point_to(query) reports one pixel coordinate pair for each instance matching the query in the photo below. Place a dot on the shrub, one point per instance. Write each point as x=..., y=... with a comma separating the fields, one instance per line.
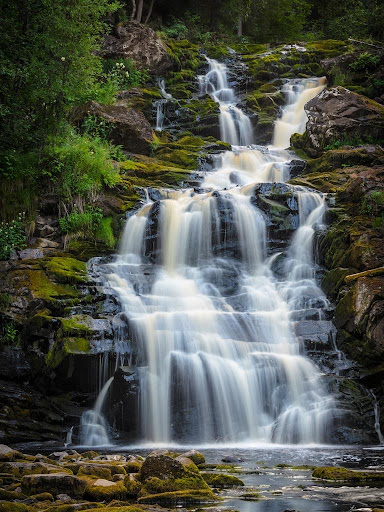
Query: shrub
x=124, y=73
x=88, y=224
x=12, y=236
x=80, y=166
x=365, y=62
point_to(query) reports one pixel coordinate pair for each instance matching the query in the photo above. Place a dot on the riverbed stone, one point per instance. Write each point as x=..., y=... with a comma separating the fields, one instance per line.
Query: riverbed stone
x=55, y=483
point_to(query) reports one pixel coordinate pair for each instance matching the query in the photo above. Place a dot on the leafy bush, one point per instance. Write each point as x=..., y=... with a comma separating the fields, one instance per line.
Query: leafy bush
x=352, y=141
x=88, y=224
x=12, y=236
x=80, y=166
x=373, y=205
x=365, y=62
x=124, y=73
x=9, y=334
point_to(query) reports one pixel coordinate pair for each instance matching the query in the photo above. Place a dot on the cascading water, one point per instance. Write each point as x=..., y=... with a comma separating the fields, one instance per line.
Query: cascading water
x=294, y=118
x=213, y=328
x=93, y=425
x=235, y=126
x=160, y=106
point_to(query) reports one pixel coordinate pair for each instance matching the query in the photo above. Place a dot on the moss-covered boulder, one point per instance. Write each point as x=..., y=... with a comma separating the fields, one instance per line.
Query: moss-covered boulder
x=222, y=480
x=179, y=498
x=54, y=483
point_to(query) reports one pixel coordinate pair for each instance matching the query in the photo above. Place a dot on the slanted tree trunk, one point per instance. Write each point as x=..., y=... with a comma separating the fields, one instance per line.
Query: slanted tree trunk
x=139, y=12
x=133, y=9
x=149, y=11
x=240, y=25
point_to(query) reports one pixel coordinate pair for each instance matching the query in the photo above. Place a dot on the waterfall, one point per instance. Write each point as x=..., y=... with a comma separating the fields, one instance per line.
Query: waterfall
x=160, y=106
x=293, y=119
x=376, y=410
x=212, y=325
x=235, y=126
x=93, y=425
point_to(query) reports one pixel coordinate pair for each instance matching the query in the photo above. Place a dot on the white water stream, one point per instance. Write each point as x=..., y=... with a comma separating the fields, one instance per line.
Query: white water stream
x=218, y=357
x=160, y=106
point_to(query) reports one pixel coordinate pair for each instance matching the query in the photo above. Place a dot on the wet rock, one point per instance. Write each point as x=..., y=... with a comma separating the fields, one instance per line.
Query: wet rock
x=101, y=490
x=129, y=127
x=139, y=42
x=195, y=456
x=338, y=114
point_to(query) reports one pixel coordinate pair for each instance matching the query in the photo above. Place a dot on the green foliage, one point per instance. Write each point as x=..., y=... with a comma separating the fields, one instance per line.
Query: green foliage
x=373, y=205
x=124, y=73
x=9, y=333
x=88, y=225
x=96, y=126
x=80, y=166
x=365, y=62
x=351, y=141
x=47, y=60
x=12, y=236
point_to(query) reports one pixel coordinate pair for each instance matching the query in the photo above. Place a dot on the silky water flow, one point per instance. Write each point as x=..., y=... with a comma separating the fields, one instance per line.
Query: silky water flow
x=217, y=355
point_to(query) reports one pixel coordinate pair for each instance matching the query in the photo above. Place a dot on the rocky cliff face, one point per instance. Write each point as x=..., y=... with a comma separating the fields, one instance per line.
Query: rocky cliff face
x=54, y=312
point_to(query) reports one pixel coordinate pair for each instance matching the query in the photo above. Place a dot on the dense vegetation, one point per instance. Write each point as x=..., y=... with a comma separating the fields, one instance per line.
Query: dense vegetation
x=49, y=67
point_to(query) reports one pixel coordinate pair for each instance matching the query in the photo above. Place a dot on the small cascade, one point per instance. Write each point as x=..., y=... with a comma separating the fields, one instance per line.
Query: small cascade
x=218, y=357
x=376, y=409
x=93, y=425
x=69, y=438
x=235, y=126
x=293, y=119
x=160, y=106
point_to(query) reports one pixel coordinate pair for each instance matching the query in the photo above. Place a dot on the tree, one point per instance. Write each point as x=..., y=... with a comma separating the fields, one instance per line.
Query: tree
x=47, y=62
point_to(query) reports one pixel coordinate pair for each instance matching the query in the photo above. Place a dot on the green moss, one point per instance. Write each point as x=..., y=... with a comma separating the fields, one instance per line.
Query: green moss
x=154, y=485
x=336, y=473
x=222, y=480
x=185, y=54
x=7, y=506
x=251, y=496
x=90, y=454
x=67, y=270
x=116, y=491
x=181, y=157
x=43, y=496
x=333, y=280
x=130, y=508
x=223, y=467
x=188, y=497
x=10, y=495
x=79, y=325
x=96, y=471
x=41, y=287
x=133, y=487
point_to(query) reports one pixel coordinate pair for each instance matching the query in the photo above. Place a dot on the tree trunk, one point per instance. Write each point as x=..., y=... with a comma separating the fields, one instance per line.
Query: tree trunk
x=139, y=12
x=133, y=9
x=240, y=25
x=149, y=12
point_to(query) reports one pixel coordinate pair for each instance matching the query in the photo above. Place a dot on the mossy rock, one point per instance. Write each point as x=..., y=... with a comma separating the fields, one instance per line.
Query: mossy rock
x=251, y=496
x=132, y=466
x=8, y=506
x=54, y=483
x=195, y=456
x=76, y=325
x=335, y=473
x=222, y=480
x=41, y=287
x=90, y=454
x=95, y=471
x=154, y=485
x=11, y=495
x=104, y=490
x=43, y=496
x=187, y=497
x=67, y=270
x=129, y=508
x=333, y=280
x=132, y=486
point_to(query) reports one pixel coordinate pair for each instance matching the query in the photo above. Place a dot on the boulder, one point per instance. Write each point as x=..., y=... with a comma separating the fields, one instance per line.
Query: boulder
x=338, y=114
x=128, y=127
x=139, y=42
x=101, y=490
x=195, y=456
x=55, y=483
x=161, y=466
x=7, y=453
